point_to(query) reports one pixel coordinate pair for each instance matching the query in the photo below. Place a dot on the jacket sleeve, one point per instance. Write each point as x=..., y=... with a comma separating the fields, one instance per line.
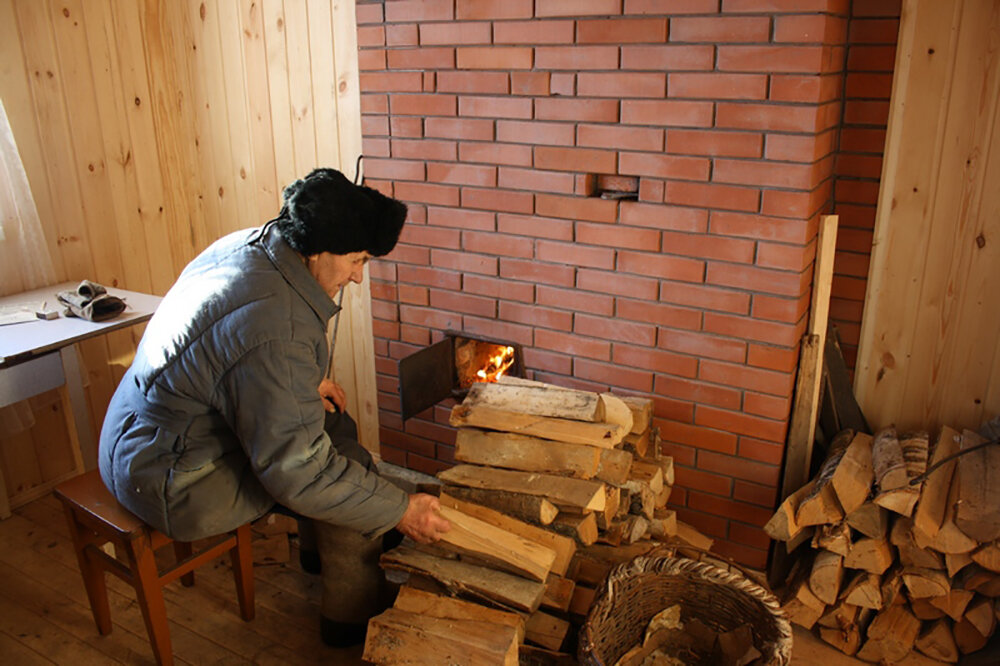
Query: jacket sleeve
x=270, y=399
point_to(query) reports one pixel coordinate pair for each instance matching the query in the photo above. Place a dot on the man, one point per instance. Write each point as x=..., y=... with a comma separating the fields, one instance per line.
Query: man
x=225, y=413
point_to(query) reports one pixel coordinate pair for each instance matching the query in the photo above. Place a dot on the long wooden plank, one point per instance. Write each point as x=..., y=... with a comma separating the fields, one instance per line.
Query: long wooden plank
x=400, y=637
x=604, y=435
x=412, y=600
x=496, y=546
x=551, y=401
x=528, y=454
x=561, y=490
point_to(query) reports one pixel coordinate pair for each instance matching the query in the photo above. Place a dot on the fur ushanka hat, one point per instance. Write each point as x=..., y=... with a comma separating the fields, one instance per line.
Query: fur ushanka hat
x=325, y=212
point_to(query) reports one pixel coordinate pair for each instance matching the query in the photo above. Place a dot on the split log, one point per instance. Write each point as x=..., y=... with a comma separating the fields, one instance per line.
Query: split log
x=891, y=635
x=852, y=480
x=604, y=435
x=924, y=610
x=692, y=537
x=892, y=586
x=495, y=546
x=782, y=526
x=980, y=615
x=613, y=466
x=977, y=510
x=400, y=637
x=642, y=413
x=835, y=538
x=805, y=535
x=914, y=453
x=988, y=557
x=967, y=637
x=637, y=444
x=563, y=547
x=530, y=508
x=582, y=527
x=583, y=599
x=558, y=592
x=627, y=530
x=642, y=501
x=871, y=520
x=929, y=514
x=412, y=600
x=821, y=505
x=978, y=579
x=950, y=538
x=798, y=602
x=847, y=639
x=645, y=473
x=937, y=642
x=527, y=454
x=546, y=630
x=954, y=603
x=480, y=582
x=910, y=554
x=618, y=412
x=926, y=583
x=827, y=574
x=872, y=555
x=954, y=562
x=544, y=400
x=612, y=506
x=663, y=525
x=839, y=615
x=864, y=590
x=560, y=490
x=892, y=482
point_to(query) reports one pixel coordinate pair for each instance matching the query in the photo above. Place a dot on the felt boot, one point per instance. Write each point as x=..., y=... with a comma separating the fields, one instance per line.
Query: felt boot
x=353, y=583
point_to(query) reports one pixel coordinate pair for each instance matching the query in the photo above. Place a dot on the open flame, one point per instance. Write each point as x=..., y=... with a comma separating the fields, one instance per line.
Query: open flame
x=497, y=366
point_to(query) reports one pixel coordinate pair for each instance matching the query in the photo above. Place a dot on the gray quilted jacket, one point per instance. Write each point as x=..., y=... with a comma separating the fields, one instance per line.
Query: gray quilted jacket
x=218, y=417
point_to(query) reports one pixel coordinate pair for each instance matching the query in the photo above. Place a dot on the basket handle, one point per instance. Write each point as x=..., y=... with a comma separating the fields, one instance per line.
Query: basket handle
x=670, y=550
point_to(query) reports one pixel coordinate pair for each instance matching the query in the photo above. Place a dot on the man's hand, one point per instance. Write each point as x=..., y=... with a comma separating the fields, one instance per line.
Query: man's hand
x=422, y=522
x=333, y=395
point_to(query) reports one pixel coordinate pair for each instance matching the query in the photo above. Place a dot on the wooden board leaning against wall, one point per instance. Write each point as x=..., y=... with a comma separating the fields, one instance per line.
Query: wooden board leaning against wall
x=148, y=130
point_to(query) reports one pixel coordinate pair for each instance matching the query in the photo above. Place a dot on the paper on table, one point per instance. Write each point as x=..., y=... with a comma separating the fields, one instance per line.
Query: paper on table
x=20, y=313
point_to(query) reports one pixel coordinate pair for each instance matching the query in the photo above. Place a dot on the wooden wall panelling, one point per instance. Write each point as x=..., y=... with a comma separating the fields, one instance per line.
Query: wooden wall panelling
x=300, y=88
x=928, y=351
x=277, y=81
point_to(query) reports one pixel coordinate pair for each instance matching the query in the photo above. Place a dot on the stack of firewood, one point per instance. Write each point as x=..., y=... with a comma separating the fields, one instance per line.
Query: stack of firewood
x=904, y=545
x=557, y=486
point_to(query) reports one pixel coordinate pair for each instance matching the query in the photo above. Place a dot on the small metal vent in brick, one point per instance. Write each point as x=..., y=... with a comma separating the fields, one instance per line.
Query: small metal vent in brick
x=448, y=368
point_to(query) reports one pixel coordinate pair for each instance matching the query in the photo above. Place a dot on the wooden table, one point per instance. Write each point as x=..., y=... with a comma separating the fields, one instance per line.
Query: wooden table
x=40, y=355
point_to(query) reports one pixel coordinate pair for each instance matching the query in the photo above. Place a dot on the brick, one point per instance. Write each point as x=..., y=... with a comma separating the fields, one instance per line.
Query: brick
x=741, y=468
x=650, y=190
x=371, y=36
x=536, y=271
x=576, y=208
x=570, y=382
x=663, y=166
x=583, y=110
x=464, y=261
x=419, y=10
x=795, y=204
x=722, y=144
x=618, y=236
x=536, y=316
x=662, y=266
x=697, y=480
x=717, y=86
x=765, y=59
x=383, y=291
x=424, y=149
x=770, y=382
x=663, y=217
x=383, y=310
x=617, y=283
x=575, y=345
x=669, y=112
x=697, y=436
x=856, y=191
x=495, y=287
x=617, y=137
x=429, y=317
x=430, y=81
x=861, y=58
x=575, y=300
x=671, y=6
x=503, y=245
x=493, y=9
x=706, y=195
x=786, y=257
x=532, y=179
x=530, y=83
x=462, y=174
x=558, y=363
x=814, y=28
x=421, y=58
x=461, y=219
x=575, y=159
x=771, y=174
x=407, y=127
x=585, y=184
x=655, y=360
x=421, y=234
x=782, y=359
x=701, y=393
x=761, y=280
x=488, y=83
x=411, y=254
x=761, y=451
x=576, y=57
x=495, y=153
x=743, y=328
x=494, y=107
x=413, y=295
x=427, y=193
x=658, y=313
x=799, y=148
x=866, y=112
x=563, y=83
x=371, y=103
x=534, y=226
x=533, y=32
x=394, y=169
x=535, y=133
x=867, y=85
x=435, y=34
x=401, y=35
x=880, y=8
x=778, y=6
x=577, y=7
x=721, y=29
x=805, y=88
x=668, y=58
x=499, y=200
x=761, y=228
x=423, y=105
x=621, y=84
x=768, y=406
x=736, y=422
x=621, y=31
x=459, y=128
x=707, y=246
x=396, y=82
x=370, y=60
x=774, y=117
x=874, y=31
x=613, y=375
x=464, y=303
x=574, y=254
x=494, y=57
x=368, y=13
x=702, y=345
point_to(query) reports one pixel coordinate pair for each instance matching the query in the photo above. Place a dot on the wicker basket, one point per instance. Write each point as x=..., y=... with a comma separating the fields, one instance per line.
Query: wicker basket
x=722, y=599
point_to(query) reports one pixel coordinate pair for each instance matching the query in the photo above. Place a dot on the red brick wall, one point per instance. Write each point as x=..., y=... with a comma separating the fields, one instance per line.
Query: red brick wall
x=489, y=119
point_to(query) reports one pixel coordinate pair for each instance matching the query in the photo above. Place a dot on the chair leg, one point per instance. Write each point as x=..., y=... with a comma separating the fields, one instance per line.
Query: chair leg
x=183, y=550
x=242, y=559
x=149, y=593
x=93, y=575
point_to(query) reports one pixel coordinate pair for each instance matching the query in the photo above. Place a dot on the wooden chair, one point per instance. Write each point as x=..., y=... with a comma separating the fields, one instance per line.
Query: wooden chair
x=96, y=518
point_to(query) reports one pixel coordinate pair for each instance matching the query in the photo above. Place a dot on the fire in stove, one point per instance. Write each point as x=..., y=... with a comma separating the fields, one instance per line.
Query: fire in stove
x=497, y=366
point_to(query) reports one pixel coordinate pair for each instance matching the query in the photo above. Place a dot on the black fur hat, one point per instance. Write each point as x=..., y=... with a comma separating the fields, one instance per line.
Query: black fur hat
x=325, y=212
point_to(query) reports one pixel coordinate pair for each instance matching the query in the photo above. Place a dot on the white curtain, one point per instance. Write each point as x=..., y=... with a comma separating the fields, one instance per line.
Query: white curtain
x=24, y=257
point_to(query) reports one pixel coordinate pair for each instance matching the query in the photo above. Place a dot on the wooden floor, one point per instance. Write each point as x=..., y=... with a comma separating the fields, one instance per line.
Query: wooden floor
x=45, y=617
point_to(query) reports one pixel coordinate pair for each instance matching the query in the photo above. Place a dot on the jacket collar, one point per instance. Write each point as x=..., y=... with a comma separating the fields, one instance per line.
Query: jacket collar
x=289, y=263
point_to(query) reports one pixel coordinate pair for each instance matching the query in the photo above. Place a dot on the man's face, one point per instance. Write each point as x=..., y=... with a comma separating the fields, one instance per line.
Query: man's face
x=333, y=271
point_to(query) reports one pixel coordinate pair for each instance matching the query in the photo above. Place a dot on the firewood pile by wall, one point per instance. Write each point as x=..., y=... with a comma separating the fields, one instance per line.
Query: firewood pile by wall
x=555, y=488
x=904, y=545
